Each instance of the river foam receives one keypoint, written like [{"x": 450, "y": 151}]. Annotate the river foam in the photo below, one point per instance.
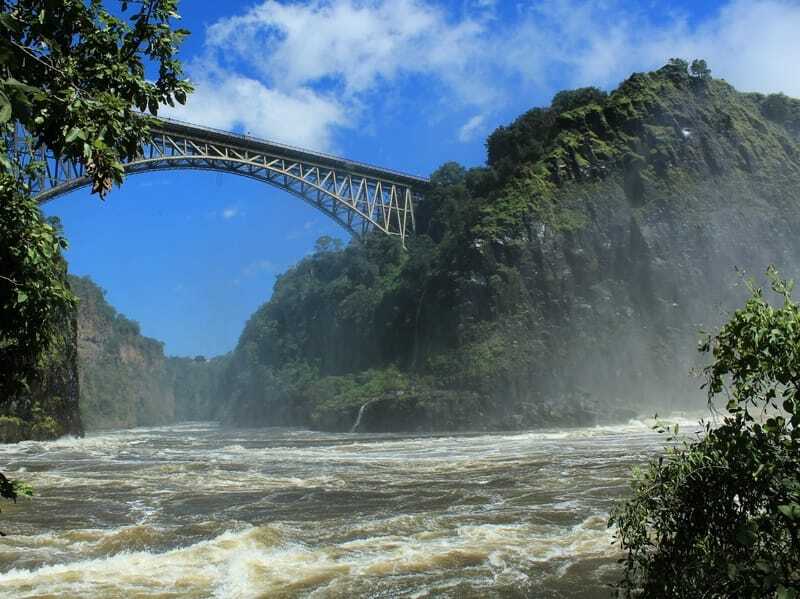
[{"x": 201, "y": 511}]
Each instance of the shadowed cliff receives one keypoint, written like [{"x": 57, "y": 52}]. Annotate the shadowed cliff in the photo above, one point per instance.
[{"x": 563, "y": 283}]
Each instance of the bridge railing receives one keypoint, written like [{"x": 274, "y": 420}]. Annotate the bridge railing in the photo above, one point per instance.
[{"x": 291, "y": 148}]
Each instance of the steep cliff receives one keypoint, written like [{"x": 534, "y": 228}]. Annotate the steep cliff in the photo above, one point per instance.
[
  {"x": 123, "y": 375},
  {"x": 126, "y": 380},
  {"x": 51, "y": 407},
  {"x": 565, "y": 282},
  {"x": 48, "y": 405},
  {"x": 195, "y": 383}
]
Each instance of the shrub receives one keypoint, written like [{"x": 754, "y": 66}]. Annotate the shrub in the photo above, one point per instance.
[{"x": 720, "y": 516}]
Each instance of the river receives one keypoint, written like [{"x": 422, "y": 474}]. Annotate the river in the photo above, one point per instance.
[{"x": 198, "y": 510}]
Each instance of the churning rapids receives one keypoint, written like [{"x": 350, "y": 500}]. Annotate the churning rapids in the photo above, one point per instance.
[{"x": 201, "y": 511}]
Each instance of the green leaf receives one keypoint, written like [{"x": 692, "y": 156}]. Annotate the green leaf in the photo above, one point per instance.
[
  {"x": 784, "y": 593},
  {"x": 745, "y": 536},
  {"x": 791, "y": 511},
  {"x": 22, "y": 489},
  {"x": 22, "y": 297},
  {"x": 5, "y": 108},
  {"x": 23, "y": 87},
  {"x": 74, "y": 134}
]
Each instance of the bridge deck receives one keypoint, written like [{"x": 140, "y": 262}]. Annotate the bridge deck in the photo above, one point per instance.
[{"x": 247, "y": 142}]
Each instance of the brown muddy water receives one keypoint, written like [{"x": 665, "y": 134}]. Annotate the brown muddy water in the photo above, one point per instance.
[{"x": 197, "y": 510}]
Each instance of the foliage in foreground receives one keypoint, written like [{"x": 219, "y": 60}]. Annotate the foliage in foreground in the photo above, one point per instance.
[
  {"x": 72, "y": 74},
  {"x": 12, "y": 490},
  {"x": 720, "y": 516}
]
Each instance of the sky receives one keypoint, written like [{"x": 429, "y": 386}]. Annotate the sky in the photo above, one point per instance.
[{"x": 403, "y": 84}]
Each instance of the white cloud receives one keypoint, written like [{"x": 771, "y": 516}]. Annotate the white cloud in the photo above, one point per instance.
[
  {"x": 357, "y": 44},
  {"x": 470, "y": 129},
  {"x": 230, "y": 101},
  {"x": 756, "y": 45},
  {"x": 229, "y": 213},
  {"x": 301, "y": 73},
  {"x": 298, "y": 73},
  {"x": 752, "y": 43}
]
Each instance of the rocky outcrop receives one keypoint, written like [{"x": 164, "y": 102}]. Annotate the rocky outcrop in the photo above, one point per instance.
[
  {"x": 123, "y": 376},
  {"x": 567, "y": 282}
]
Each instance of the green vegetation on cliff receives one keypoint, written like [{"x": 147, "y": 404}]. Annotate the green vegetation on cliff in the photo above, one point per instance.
[
  {"x": 561, "y": 283},
  {"x": 123, "y": 375},
  {"x": 72, "y": 74},
  {"x": 38, "y": 369},
  {"x": 125, "y": 379},
  {"x": 195, "y": 384}
]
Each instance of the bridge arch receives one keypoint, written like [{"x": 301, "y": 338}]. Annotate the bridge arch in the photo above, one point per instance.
[{"x": 357, "y": 196}]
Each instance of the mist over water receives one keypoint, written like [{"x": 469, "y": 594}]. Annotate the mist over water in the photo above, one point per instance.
[{"x": 202, "y": 511}]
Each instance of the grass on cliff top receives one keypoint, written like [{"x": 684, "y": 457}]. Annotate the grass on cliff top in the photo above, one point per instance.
[{"x": 654, "y": 125}]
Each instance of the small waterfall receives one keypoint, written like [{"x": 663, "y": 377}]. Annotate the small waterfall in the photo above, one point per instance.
[{"x": 360, "y": 414}]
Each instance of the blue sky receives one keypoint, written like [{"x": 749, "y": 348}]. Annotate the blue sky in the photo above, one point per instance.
[{"x": 406, "y": 84}]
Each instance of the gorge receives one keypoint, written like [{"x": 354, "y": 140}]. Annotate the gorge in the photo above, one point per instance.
[
  {"x": 459, "y": 417},
  {"x": 563, "y": 284}
]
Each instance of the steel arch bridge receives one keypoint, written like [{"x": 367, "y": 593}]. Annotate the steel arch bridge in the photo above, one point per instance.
[{"x": 358, "y": 196}]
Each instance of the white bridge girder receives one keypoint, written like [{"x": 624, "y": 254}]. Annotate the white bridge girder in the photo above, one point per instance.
[{"x": 358, "y": 196}]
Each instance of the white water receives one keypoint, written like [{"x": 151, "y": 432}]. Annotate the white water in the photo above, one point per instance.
[
  {"x": 357, "y": 423},
  {"x": 200, "y": 511}
]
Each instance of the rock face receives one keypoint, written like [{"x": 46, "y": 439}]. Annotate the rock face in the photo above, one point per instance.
[
  {"x": 126, "y": 380},
  {"x": 195, "y": 384},
  {"x": 123, "y": 376},
  {"x": 566, "y": 282},
  {"x": 104, "y": 374},
  {"x": 51, "y": 409}
]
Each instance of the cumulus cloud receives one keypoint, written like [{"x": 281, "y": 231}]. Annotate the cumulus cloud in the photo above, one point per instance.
[
  {"x": 303, "y": 73},
  {"x": 229, "y": 213},
  {"x": 232, "y": 101},
  {"x": 471, "y": 128},
  {"x": 752, "y": 43},
  {"x": 356, "y": 44},
  {"x": 756, "y": 45}
]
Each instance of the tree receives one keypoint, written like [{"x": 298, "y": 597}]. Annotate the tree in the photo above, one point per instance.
[
  {"x": 720, "y": 516},
  {"x": 326, "y": 244},
  {"x": 700, "y": 70},
  {"x": 678, "y": 66},
  {"x": 74, "y": 76},
  {"x": 567, "y": 100}
]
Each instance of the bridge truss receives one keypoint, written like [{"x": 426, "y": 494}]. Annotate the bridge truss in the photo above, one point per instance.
[{"x": 358, "y": 196}]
